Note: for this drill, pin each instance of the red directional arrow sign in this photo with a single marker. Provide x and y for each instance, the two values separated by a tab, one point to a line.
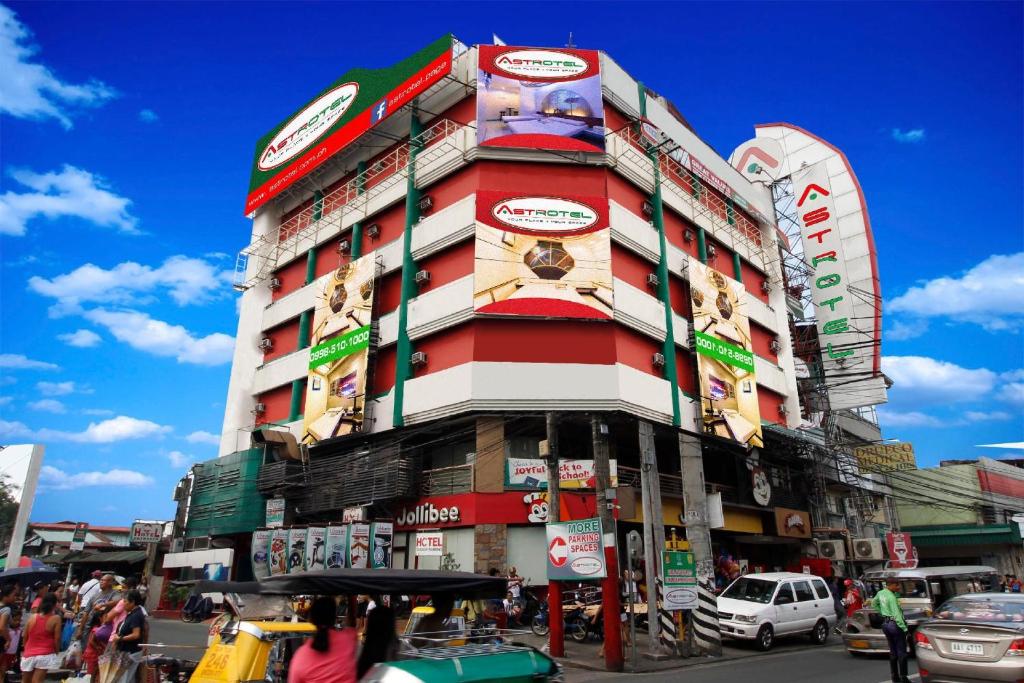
558	551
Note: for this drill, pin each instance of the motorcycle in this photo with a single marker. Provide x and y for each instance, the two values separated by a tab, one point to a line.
197	608
579	627
540	624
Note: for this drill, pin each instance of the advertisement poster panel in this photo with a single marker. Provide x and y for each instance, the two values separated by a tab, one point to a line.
343	111
539	98
680	580
532	473
382	533
882	458
259	553
576	550
902	554
340	344
725	356
316	541
429	543
543	256
79	536
296	550
275	513
358	545
337	546
278	552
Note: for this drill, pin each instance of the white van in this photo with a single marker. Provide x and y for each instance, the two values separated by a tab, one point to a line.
759	607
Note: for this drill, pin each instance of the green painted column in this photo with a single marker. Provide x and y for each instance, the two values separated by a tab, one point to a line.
737	267
403	349
318	205
702	245
357	228
299	385
668	347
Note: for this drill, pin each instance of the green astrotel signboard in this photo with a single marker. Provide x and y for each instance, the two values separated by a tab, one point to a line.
680	580
724	351
576	550
335	118
333	349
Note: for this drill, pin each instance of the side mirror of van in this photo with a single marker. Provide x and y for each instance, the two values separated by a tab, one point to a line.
783	598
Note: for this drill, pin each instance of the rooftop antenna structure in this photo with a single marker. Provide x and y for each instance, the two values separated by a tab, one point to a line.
570	43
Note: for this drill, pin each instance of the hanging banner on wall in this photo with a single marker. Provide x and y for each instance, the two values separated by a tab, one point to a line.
332	120
358	545
538	98
382	534
337	546
725	356
259	553
278	552
576	550
532	473
275	513
540	256
902	553
296	550
338	357
316	548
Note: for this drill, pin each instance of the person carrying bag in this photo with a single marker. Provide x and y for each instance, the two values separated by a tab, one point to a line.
120	662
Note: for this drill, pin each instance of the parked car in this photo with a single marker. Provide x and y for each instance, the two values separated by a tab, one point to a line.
921	590
972	638
759	607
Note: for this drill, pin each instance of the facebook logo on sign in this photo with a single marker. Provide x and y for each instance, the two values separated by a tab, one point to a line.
379	111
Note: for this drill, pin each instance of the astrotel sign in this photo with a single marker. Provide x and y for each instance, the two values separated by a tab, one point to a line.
558	551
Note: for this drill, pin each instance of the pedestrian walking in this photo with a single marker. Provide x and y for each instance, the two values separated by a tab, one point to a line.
42	642
886	602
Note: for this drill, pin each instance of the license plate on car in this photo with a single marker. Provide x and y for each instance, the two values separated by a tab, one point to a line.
860	644
959	648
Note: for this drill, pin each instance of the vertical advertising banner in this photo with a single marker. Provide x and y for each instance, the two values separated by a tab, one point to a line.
680	580
340	344
337	546
902	554
332	120
296	550
358	545
79	536
539	98
543	256
275	513
259	553
725	356
316	542
576	550
278	552
382	534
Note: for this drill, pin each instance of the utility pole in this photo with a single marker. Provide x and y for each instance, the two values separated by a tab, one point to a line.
707	633
654	542
556	635
613	660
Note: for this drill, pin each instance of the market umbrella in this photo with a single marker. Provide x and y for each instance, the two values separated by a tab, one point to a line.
26	576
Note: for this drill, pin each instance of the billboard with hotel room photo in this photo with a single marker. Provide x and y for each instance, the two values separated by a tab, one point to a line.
725	357
540	98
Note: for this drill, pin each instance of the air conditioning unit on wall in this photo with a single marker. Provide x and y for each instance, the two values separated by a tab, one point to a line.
867	549
831	550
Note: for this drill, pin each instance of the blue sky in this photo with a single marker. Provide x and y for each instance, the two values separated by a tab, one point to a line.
127	131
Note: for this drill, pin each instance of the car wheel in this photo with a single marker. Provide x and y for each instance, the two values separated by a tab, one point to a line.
819	636
765	638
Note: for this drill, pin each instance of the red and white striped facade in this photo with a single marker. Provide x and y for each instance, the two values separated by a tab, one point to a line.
478	363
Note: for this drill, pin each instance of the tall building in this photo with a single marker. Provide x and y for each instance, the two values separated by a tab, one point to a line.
446	250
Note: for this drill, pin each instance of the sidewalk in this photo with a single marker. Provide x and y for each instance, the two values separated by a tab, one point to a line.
585	656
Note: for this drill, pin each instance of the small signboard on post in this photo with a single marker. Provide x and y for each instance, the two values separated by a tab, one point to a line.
78	539
576	550
146	532
680	580
429	543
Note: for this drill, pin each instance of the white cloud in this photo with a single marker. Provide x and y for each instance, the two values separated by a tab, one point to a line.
148	116
912	136
186	280
99	412
48	405
120	428
203	437
16	361
976	416
159	338
55	388
892	418
988	294
179	459
30	90
4	400
918	379
83	339
51	477
70	192
902	330
1013	446
1012	393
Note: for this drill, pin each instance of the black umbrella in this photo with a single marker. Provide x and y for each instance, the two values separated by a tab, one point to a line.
27	576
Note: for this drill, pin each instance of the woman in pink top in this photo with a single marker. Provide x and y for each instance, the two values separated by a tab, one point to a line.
330	657
42	642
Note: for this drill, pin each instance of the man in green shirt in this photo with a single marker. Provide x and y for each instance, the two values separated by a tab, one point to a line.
887	603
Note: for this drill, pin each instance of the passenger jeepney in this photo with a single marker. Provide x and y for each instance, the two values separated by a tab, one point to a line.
921	590
252	646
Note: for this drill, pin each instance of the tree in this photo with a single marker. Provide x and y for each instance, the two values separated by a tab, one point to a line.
8	510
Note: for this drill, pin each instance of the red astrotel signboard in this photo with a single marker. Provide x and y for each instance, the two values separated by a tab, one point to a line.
576	550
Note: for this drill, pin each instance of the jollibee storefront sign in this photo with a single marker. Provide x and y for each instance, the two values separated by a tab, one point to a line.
471	509
426	514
